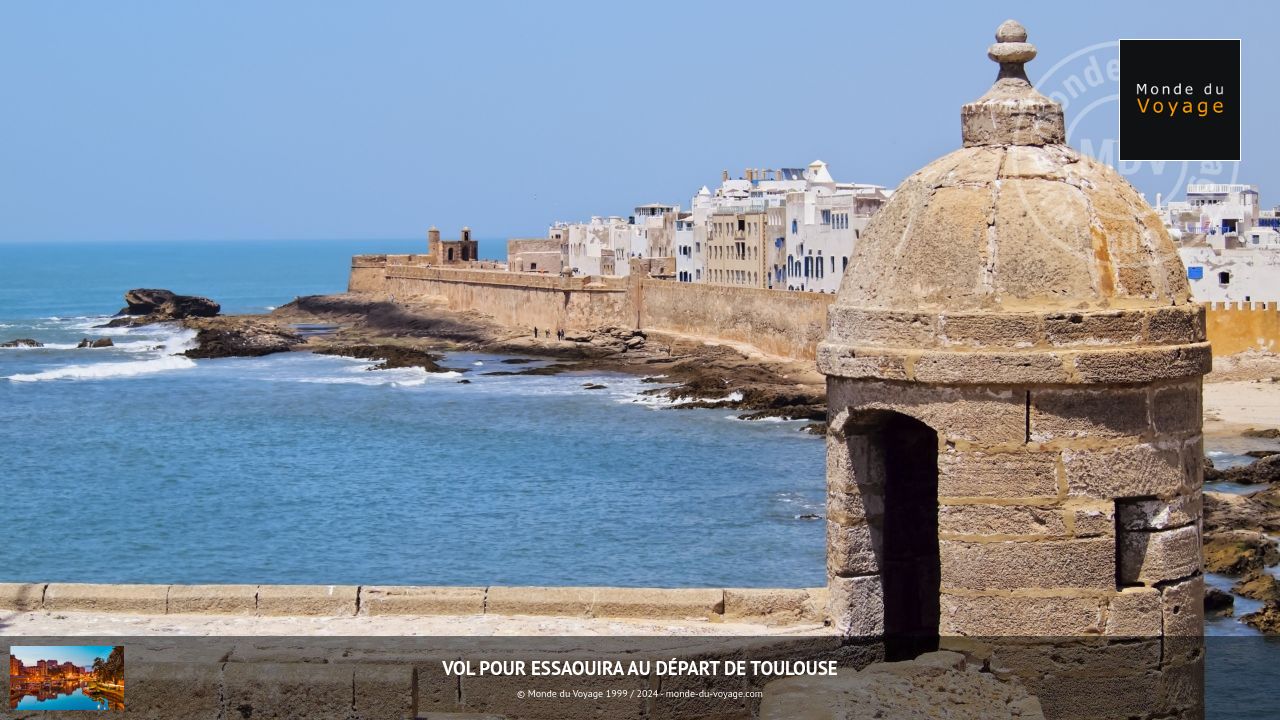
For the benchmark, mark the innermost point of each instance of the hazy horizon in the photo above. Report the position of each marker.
(146, 121)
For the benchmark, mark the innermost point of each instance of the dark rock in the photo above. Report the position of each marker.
(391, 356)
(22, 342)
(165, 305)
(516, 361)
(464, 381)
(819, 429)
(1211, 474)
(1239, 552)
(1262, 433)
(1216, 601)
(809, 516)
(1259, 454)
(1267, 619)
(99, 343)
(220, 337)
(545, 370)
(1258, 511)
(594, 386)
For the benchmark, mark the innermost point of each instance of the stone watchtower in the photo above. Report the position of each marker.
(1014, 380)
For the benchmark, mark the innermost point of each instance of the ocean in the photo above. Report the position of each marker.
(132, 464)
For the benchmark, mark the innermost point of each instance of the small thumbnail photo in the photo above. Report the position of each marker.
(66, 677)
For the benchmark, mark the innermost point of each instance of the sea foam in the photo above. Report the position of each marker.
(109, 370)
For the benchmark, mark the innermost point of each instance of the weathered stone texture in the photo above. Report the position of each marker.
(1074, 414)
(984, 415)
(307, 600)
(1000, 520)
(138, 599)
(857, 605)
(1136, 470)
(1083, 563)
(389, 600)
(997, 474)
(1154, 556)
(776, 604)
(22, 597)
(1010, 615)
(850, 549)
(213, 599)
(1134, 612)
(1150, 514)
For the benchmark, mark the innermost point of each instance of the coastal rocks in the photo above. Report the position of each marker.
(1258, 586)
(391, 356)
(22, 343)
(219, 337)
(1238, 552)
(1269, 433)
(1258, 472)
(99, 343)
(1218, 602)
(163, 305)
(1267, 619)
(1232, 511)
(594, 386)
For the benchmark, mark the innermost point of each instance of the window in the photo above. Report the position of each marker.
(1195, 272)
(1224, 278)
(793, 229)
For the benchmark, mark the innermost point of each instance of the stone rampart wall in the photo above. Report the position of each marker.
(1234, 327)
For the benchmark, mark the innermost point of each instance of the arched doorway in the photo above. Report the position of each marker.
(894, 461)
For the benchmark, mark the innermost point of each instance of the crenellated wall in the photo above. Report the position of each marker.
(1235, 327)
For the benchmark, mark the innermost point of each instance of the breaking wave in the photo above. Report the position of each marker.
(105, 371)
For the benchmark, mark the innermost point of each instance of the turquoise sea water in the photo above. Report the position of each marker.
(133, 464)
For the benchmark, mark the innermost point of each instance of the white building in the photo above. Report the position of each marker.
(1229, 245)
(824, 222)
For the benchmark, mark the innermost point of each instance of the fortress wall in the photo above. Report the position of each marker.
(517, 299)
(779, 322)
(776, 321)
(1235, 327)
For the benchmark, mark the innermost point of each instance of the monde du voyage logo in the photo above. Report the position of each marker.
(1180, 100)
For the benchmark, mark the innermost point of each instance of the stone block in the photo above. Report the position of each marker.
(1120, 327)
(167, 690)
(289, 691)
(959, 521)
(384, 692)
(1153, 514)
(394, 600)
(1178, 408)
(847, 361)
(1092, 518)
(851, 549)
(1070, 414)
(1017, 474)
(856, 607)
(1135, 612)
(1017, 616)
(213, 599)
(991, 330)
(1120, 367)
(700, 603)
(1079, 563)
(307, 600)
(776, 605)
(1178, 324)
(1004, 368)
(1183, 607)
(21, 597)
(1131, 471)
(131, 599)
(1150, 557)
(882, 328)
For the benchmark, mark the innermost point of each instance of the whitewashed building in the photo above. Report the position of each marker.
(1229, 245)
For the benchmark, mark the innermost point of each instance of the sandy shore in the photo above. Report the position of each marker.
(78, 623)
(1234, 406)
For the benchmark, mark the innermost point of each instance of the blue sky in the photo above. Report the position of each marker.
(291, 119)
(81, 655)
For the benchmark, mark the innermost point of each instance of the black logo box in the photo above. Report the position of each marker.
(1184, 68)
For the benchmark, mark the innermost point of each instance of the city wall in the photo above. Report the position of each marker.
(1235, 327)
(782, 323)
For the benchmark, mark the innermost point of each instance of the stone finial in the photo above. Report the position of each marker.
(1012, 112)
(1012, 50)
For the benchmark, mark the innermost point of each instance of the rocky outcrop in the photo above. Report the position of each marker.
(1258, 586)
(166, 305)
(1259, 472)
(1219, 602)
(22, 342)
(1267, 619)
(390, 356)
(99, 343)
(1232, 511)
(239, 336)
(1239, 552)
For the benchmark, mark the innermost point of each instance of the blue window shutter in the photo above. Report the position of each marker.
(1195, 272)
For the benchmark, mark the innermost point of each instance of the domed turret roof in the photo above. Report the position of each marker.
(1014, 220)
